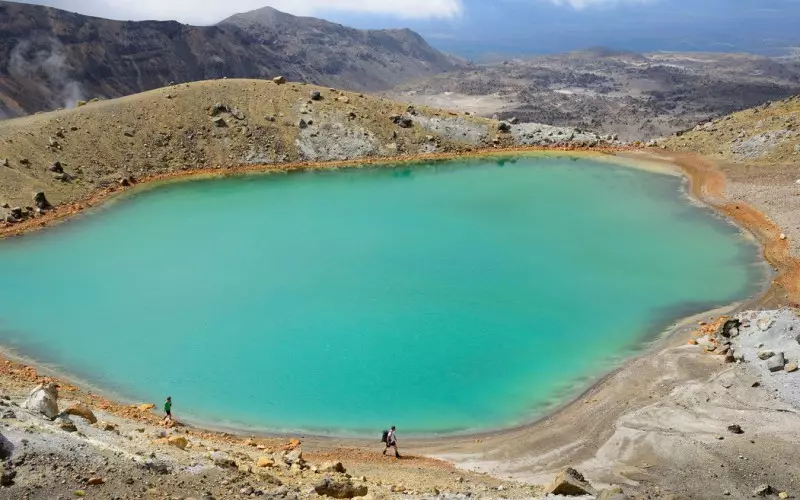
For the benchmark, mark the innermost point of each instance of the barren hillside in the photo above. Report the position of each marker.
(637, 96)
(226, 124)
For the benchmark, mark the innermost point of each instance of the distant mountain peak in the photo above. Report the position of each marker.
(104, 58)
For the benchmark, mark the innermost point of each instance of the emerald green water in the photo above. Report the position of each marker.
(450, 297)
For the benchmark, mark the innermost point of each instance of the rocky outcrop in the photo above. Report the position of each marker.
(332, 467)
(83, 411)
(570, 482)
(339, 489)
(44, 400)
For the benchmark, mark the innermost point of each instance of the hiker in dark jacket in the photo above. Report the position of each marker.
(391, 442)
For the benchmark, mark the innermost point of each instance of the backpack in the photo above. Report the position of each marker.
(385, 437)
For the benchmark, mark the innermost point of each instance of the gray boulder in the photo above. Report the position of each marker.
(776, 362)
(279, 80)
(504, 127)
(315, 95)
(43, 399)
(570, 482)
(56, 167)
(156, 466)
(339, 489)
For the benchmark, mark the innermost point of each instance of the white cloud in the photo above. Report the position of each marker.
(582, 4)
(212, 11)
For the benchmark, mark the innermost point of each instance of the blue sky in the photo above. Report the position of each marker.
(475, 27)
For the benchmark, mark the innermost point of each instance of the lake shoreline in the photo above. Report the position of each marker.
(705, 183)
(650, 341)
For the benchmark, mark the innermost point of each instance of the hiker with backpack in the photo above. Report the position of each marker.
(390, 438)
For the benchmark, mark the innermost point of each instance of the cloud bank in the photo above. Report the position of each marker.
(582, 4)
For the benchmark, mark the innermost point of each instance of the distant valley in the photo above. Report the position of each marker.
(636, 96)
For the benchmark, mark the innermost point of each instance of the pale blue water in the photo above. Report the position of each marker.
(459, 296)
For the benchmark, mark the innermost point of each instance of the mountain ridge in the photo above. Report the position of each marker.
(50, 58)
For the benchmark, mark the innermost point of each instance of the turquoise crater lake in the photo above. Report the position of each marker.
(451, 297)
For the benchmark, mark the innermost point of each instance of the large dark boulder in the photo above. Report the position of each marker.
(40, 200)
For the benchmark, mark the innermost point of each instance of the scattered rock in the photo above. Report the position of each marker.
(65, 424)
(783, 495)
(223, 461)
(179, 442)
(763, 490)
(504, 127)
(315, 95)
(219, 122)
(265, 462)
(402, 121)
(296, 455)
(129, 132)
(146, 407)
(765, 355)
(7, 477)
(279, 80)
(783, 236)
(339, 489)
(776, 363)
(513, 120)
(735, 429)
(156, 466)
(43, 399)
(56, 167)
(332, 467)
(237, 114)
(40, 201)
(63, 177)
(81, 410)
(52, 142)
(302, 124)
(570, 482)
(95, 481)
(343, 99)
(3, 162)
(106, 426)
(24, 161)
(790, 368)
